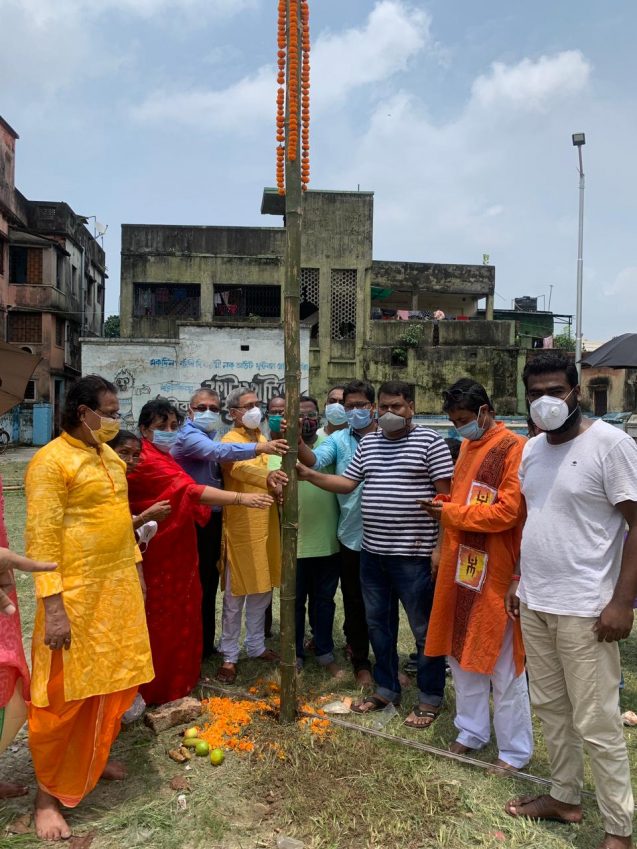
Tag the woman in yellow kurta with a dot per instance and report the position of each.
(250, 562)
(481, 522)
(90, 642)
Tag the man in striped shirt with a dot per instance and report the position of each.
(397, 464)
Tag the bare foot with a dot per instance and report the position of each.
(545, 807)
(8, 790)
(335, 670)
(49, 822)
(114, 771)
(364, 678)
(614, 841)
(458, 748)
(502, 768)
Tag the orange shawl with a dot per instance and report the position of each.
(465, 624)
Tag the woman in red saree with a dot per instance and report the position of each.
(171, 563)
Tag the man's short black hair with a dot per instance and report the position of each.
(122, 437)
(85, 391)
(359, 387)
(551, 361)
(159, 408)
(466, 394)
(397, 387)
(310, 399)
(275, 398)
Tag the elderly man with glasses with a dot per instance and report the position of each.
(250, 561)
(198, 451)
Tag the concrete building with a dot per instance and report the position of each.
(367, 318)
(52, 279)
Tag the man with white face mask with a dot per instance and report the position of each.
(250, 551)
(199, 452)
(335, 415)
(574, 595)
(397, 464)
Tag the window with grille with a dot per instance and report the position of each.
(343, 303)
(309, 291)
(170, 299)
(233, 301)
(24, 327)
(29, 392)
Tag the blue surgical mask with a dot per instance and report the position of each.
(335, 414)
(358, 419)
(472, 430)
(164, 439)
(207, 421)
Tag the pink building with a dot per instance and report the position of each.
(52, 280)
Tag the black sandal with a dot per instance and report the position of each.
(376, 704)
(419, 713)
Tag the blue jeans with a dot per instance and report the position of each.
(316, 581)
(387, 579)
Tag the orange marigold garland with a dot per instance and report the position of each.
(289, 52)
(280, 101)
(305, 95)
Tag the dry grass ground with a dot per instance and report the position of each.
(344, 791)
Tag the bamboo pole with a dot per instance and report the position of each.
(292, 350)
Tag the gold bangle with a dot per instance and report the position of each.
(240, 501)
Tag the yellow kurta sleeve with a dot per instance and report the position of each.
(506, 512)
(47, 494)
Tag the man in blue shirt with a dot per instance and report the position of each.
(337, 450)
(199, 453)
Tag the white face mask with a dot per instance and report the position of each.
(550, 413)
(251, 418)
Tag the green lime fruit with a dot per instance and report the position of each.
(217, 757)
(202, 748)
(191, 732)
(191, 742)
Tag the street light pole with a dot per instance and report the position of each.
(579, 140)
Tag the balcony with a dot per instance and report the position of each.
(38, 296)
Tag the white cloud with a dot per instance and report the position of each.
(45, 12)
(341, 63)
(624, 284)
(532, 84)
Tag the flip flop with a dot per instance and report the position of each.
(419, 713)
(376, 704)
(227, 674)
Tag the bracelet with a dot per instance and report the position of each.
(240, 500)
(236, 498)
(515, 577)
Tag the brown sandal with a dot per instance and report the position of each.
(268, 656)
(227, 674)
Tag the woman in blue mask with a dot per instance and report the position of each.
(479, 544)
(173, 601)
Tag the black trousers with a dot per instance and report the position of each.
(355, 625)
(209, 548)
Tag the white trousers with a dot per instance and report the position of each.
(511, 709)
(255, 606)
(575, 692)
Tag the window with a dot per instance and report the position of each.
(170, 299)
(59, 332)
(2, 244)
(343, 303)
(25, 264)
(247, 301)
(24, 327)
(74, 279)
(30, 391)
(17, 265)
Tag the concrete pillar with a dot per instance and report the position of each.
(489, 308)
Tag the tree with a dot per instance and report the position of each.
(111, 327)
(564, 341)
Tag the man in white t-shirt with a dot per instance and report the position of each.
(577, 581)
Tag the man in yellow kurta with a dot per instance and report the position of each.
(478, 548)
(90, 642)
(250, 561)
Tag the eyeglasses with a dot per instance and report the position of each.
(310, 415)
(563, 394)
(356, 405)
(247, 406)
(115, 416)
(202, 408)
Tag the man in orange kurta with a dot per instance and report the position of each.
(478, 548)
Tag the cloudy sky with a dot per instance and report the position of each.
(457, 114)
